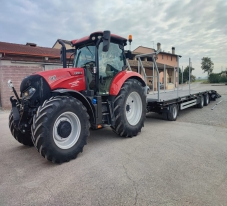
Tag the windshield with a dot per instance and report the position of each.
(84, 56)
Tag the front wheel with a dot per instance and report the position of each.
(130, 109)
(60, 129)
(23, 138)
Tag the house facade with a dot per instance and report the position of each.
(167, 65)
(58, 46)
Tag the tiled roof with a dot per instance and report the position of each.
(162, 52)
(11, 48)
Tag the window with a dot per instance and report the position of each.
(169, 72)
(114, 58)
(162, 56)
(110, 63)
(170, 80)
(84, 56)
(171, 58)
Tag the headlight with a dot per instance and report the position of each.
(28, 93)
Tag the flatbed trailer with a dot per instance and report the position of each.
(169, 103)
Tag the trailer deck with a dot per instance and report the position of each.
(174, 95)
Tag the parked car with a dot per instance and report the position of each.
(161, 85)
(149, 88)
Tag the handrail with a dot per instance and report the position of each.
(153, 56)
(140, 64)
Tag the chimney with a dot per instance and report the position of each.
(158, 46)
(31, 44)
(173, 50)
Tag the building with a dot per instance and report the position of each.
(58, 46)
(167, 64)
(18, 61)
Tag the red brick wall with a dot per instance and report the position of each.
(16, 74)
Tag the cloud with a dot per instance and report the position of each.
(196, 28)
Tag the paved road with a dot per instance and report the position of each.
(169, 163)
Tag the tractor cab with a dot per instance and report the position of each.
(102, 56)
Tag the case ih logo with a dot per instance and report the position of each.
(52, 78)
(78, 73)
(74, 84)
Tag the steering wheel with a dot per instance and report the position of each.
(87, 64)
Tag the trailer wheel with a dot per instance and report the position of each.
(206, 99)
(23, 138)
(173, 112)
(201, 104)
(60, 129)
(129, 109)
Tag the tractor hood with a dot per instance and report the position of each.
(67, 78)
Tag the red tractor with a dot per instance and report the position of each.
(57, 108)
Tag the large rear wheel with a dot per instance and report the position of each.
(23, 138)
(130, 109)
(60, 129)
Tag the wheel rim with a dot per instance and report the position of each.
(133, 108)
(72, 138)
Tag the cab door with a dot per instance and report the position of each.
(110, 63)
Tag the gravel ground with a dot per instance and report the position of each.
(168, 163)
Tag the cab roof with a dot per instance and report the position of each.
(94, 37)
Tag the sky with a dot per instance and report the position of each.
(196, 28)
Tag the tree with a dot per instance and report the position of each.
(180, 76)
(207, 65)
(186, 74)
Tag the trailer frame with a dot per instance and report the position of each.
(163, 103)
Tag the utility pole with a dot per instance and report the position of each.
(153, 44)
(182, 74)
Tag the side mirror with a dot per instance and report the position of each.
(128, 54)
(106, 41)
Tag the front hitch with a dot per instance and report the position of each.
(16, 115)
(10, 85)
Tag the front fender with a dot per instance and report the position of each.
(120, 79)
(80, 97)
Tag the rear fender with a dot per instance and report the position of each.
(80, 97)
(120, 79)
